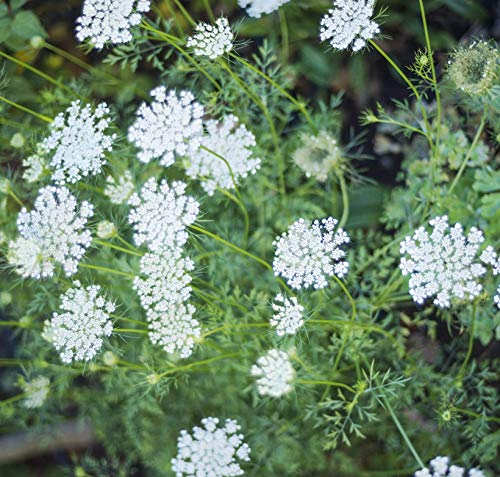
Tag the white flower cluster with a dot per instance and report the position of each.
(212, 40)
(36, 392)
(78, 141)
(318, 155)
(255, 8)
(443, 264)
(440, 467)
(78, 332)
(54, 231)
(275, 374)
(34, 167)
(161, 213)
(348, 24)
(172, 125)
(497, 297)
(120, 189)
(211, 451)
(233, 143)
(307, 254)
(288, 315)
(109, 21)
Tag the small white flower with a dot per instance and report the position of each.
(275, 374)
(348, 25)
(211, 451)
(109, 21)
(78, 332)
(160, 214)
(443, 264)
(212, 40)
(233, 143)
(78, 141)
(54, 231)
(165, 280)
(309, 253)
(255, 8)
(172, 125)
(439, 467)
(318, 155)
(497, 297)
(36, 392)
(490, 257)
(34, 168)
(288, 315)
(120, 189)
(174, 328)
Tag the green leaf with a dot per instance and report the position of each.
(17, 4)
(5, 28)
(26, 25)
(486, 180)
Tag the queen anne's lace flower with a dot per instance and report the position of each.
(211, 451)
(171, 126)
(52, 232)
(231, 142)
(161, 213)
(307, 254)
(288, 315)
(119, 190)
(348, 24)
(78, 332)
(275, 374)
(165, 280)
(443, 264)
(78, 141)
(440, 467)
(497, 297)
(34, 167)
(174, 327)
(318, 155)
(36, 392)
(255, 8)
(212, 40)
(109, 21)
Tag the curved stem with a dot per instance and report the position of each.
(469, 153)
(345, 200)
(327, 383)
(116, 247)
(186, 14)
(461, 372)
(106, 270)
(42, 117)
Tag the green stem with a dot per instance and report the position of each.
(15, 197)
(186, 14)
(198, 363)
(41, 74)
(403, 433)
(131, 330)
(107, 270)
(475, 414)
(300, 106)
(172, 40)
(467, 156)
(127, 244)
(461, 372)
(345, 200)
(327, 383)
(12, 399)
(240, 325)
(284, 34)
(209, 10)
(116, 247)
(353, 324)
(129, 320)
(26, 110)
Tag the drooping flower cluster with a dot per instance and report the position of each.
(440, 467)
(53, 232)
(275, 374)
(212, 40)
(160, 214)
(109, 21)
(120, 189)
(255, 8)
(288, 315)
(77, 333)
(36, 392)
(172, 125)
(309, 253)
(444, 264)
(318, 155)
(78, 141)
(349, 24)
(231, 142)
(211, 451)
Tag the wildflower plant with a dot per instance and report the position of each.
(170, 246)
